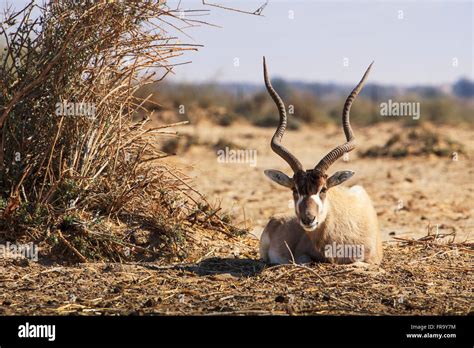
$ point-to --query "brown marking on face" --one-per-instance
(306, 184)
(309, 182)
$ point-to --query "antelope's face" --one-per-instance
(309, 193)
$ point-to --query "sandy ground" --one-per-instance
(412, 195)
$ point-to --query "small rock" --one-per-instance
(281, 299)
(149, 303)
(223, 276)
(23, 262)
(117, 289)
(113, 267)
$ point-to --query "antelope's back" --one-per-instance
(354, 220)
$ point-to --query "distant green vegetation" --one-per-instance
(320, 104)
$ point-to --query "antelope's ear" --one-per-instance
(279, 177)
(339, 177)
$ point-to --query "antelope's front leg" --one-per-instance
(286, 253)
(280, 255)
(303, 258)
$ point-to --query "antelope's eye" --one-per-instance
(323, 190)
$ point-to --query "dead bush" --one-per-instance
(77, 174)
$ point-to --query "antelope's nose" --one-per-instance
(308, 220)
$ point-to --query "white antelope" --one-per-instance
(333, 223)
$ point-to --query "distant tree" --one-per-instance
(464, 88)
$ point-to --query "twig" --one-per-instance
(71, 247)
(257, 12)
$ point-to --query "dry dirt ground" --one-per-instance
(414, 197)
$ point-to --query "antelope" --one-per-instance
(328, 216)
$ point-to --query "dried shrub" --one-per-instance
(416, 142)
(76, 172)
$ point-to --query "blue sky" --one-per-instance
(412, 42)
(419, 48)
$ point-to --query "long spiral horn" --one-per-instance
(349, 145)
(276, 145)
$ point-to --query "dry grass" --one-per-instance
(426, 276)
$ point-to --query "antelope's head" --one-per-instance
(310, 186)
